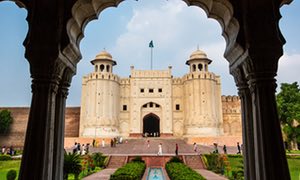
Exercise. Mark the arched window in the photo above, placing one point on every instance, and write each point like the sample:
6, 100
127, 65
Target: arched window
206, 67
96, 68
101, 67
200, 67
107, 68
194, 67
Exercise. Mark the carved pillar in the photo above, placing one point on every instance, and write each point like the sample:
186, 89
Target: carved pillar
59, 125
270, 160
49, 53
247, 123
37, 158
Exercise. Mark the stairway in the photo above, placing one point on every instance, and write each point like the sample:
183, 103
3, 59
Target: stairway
116, 161
194, 161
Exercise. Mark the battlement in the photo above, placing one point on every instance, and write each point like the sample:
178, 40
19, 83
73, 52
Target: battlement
231, 104
229, 98
151, 73
201, 75
125, 81
99, 75
176, 81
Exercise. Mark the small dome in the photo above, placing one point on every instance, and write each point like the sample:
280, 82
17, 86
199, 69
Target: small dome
198, 54
104, 55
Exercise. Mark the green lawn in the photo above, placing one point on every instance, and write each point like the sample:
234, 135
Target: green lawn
294, 166
293, 152
5, 166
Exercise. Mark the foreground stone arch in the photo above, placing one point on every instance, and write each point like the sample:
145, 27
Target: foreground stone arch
253, 47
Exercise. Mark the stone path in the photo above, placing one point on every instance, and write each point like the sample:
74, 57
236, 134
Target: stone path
208, 175
102, 175
139, 147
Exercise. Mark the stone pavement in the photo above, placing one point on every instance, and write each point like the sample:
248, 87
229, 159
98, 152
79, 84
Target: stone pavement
139, 147
102, 175
208, 175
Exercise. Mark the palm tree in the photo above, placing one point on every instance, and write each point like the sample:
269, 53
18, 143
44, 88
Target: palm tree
72, 165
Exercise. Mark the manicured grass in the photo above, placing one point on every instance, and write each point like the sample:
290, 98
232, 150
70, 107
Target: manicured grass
5, 166
293, 152
294, 166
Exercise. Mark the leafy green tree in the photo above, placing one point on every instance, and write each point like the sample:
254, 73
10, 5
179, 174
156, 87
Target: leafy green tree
288, 102
5, 121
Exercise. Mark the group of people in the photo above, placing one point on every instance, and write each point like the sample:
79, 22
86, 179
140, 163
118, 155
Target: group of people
215, 150
113, 142
81, 149
154, 134
8, 150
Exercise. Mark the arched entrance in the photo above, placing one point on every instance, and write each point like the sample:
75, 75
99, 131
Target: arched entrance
151, 125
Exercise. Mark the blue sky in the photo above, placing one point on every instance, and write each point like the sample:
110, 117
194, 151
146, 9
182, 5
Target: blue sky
125, 32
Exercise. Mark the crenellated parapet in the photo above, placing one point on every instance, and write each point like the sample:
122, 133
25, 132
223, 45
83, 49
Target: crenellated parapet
231, 104
201, 75
104, 76
232, 121
151, 73
177, 81
125, 81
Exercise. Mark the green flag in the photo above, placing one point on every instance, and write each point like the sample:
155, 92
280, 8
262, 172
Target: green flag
151, 44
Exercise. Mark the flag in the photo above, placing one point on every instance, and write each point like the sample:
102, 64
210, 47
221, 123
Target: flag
151, 44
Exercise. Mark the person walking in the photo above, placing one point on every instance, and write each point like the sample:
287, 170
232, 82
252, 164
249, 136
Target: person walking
225, 149
148, 143
93, 143
159, 149
75, 148
239, 148
176, 149
103, 143
195, 147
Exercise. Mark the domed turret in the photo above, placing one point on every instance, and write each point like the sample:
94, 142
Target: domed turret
103, 62
198, 61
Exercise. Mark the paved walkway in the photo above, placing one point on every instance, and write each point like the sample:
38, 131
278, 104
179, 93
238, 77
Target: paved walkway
140, 147
102, 175
208, 175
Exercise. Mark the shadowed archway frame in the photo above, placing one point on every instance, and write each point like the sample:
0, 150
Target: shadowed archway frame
253, 46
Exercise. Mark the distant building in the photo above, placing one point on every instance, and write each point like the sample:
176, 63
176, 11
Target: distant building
154, 103
149, 101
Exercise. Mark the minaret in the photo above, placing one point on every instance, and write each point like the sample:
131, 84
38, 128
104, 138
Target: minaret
100, 103
202, 98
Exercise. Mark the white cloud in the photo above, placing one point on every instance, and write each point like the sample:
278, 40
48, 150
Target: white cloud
289, 69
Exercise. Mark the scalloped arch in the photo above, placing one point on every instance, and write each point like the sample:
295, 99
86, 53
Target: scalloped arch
85, 11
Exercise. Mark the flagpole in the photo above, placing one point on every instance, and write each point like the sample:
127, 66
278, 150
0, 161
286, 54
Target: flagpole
151, 56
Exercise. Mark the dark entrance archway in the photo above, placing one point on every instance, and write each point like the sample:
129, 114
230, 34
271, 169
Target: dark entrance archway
151, 125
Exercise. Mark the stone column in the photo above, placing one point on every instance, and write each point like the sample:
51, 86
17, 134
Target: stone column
37, 158
270, 159
247, 123
59, 125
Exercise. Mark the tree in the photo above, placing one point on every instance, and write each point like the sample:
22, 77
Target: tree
72, 165
288, 102
5, 121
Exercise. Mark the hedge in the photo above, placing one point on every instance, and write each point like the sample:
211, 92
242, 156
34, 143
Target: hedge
179, 171
5, 157
131, 171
